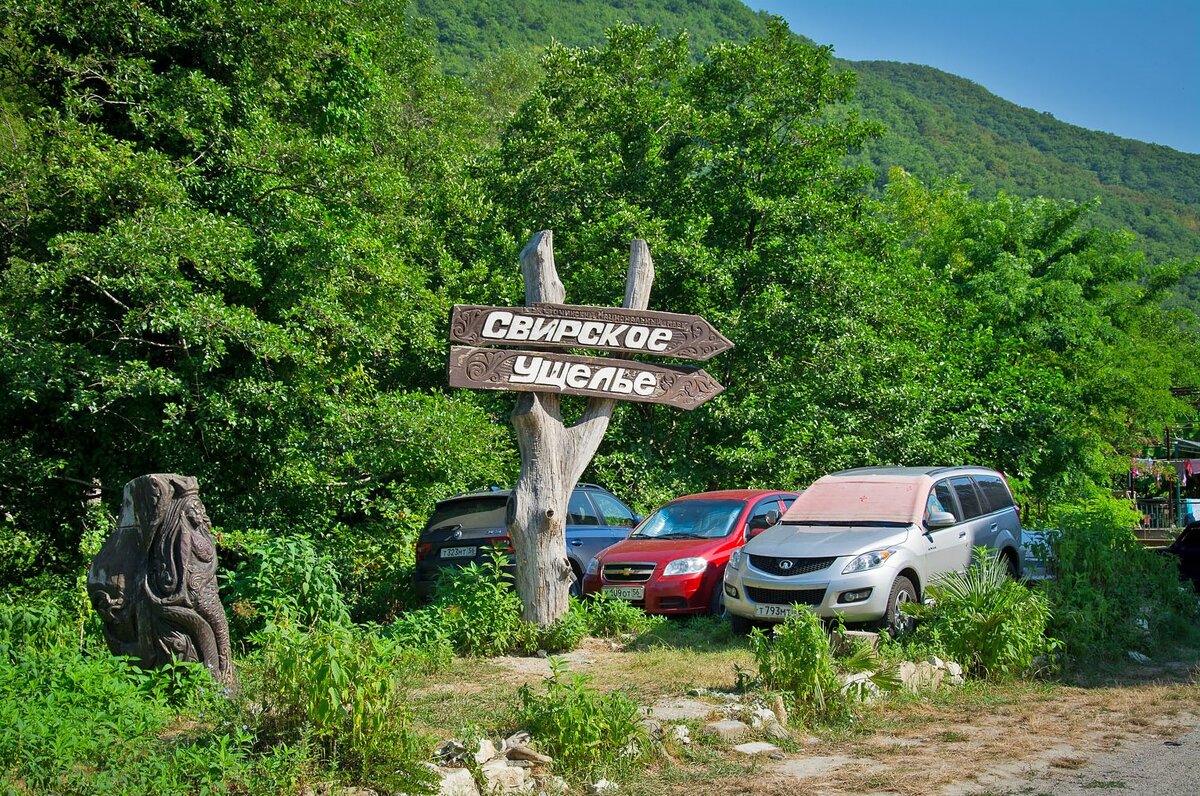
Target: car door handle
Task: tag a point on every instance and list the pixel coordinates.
(995, 527)
(576, 542)
(962, 534)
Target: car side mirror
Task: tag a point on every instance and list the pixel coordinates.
(940, 519)
(754, 528)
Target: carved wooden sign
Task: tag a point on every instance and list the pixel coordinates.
(666, 334)
(598, 377)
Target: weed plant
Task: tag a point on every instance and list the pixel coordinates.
(797, 661)
(283, 576)
(983, 619)
(589, 734)
(1109, 594)
(340, 689)
(609, 617)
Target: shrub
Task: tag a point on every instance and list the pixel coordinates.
(588, 734)
(340, 689)
(480, 607)
(283, 575)
(609, 616)
(796, 660)
(1109, 594)
(984, 620)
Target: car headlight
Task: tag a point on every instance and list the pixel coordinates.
(870, 560)
(685, 566)
(593, 567)
(735, 559)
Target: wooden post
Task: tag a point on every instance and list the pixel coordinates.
(554, 456)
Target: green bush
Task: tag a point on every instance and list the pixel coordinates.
(981, 618)
(77, 720)
(1109, 594)
(283, 575)
(796, 660)
(340, 689)
(609, 616)
(589, 734)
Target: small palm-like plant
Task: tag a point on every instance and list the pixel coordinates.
(994, 625)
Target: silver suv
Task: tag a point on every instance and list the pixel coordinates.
(858, 543)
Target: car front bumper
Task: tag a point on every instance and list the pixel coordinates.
(676, 595)
(753, 594)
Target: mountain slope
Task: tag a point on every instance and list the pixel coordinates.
(939, 125)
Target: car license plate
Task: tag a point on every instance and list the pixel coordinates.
(773, 611)
(459, 552)
(625, 592)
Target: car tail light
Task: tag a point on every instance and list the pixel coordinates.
(423, 549)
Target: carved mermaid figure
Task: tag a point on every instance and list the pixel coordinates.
(154, 582)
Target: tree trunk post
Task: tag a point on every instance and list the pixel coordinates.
(554, 456)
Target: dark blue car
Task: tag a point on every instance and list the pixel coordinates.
(464, 528)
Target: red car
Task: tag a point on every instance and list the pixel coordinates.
(674, 561)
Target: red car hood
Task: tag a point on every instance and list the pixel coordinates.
(662, 550)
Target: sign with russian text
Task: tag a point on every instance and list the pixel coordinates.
(666, 334)
(596, 377)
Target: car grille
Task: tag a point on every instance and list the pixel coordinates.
(785, 596)
(796, 566)
(628, 573)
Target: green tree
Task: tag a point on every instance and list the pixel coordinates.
(223, 256)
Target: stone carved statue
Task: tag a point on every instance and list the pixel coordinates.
(154, 582)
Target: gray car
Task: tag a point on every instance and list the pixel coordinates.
(858, 543)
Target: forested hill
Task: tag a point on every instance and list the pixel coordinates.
(941, 124)
(938, 125)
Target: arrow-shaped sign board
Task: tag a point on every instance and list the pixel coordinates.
(597, 377)
(666, 334)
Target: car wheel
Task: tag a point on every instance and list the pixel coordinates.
(895, 622)
(576, 588)
(716, 604)
(1014, 571)
(740, 624)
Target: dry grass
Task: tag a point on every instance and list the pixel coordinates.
(957, 741)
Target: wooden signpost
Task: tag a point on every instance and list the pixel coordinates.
(598, 377)
(554, 455)
(664, 334)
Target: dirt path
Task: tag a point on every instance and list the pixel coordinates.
(1018, 740)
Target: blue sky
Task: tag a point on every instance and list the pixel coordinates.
(1129, 68)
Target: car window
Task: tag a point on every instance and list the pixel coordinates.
(994, 492)
(968, 498)
(787, 502)
(483, 512)
(940, 499)
(580, 511)
(758, 517)
(614, 511)
(691, 519)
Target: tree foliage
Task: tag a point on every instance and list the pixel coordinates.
(232, 233)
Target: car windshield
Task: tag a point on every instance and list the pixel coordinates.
(691, 519)
(859, 502)
(480, 512)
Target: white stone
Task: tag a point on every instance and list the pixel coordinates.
(936, 662)
(601, 787)
(681, 733)
(499, 775)
(456, 782)
(954, 669)
(755, 748)
(775, 730)
(485, 752)
(1138, 657)
(727, 730)
(681, 709)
